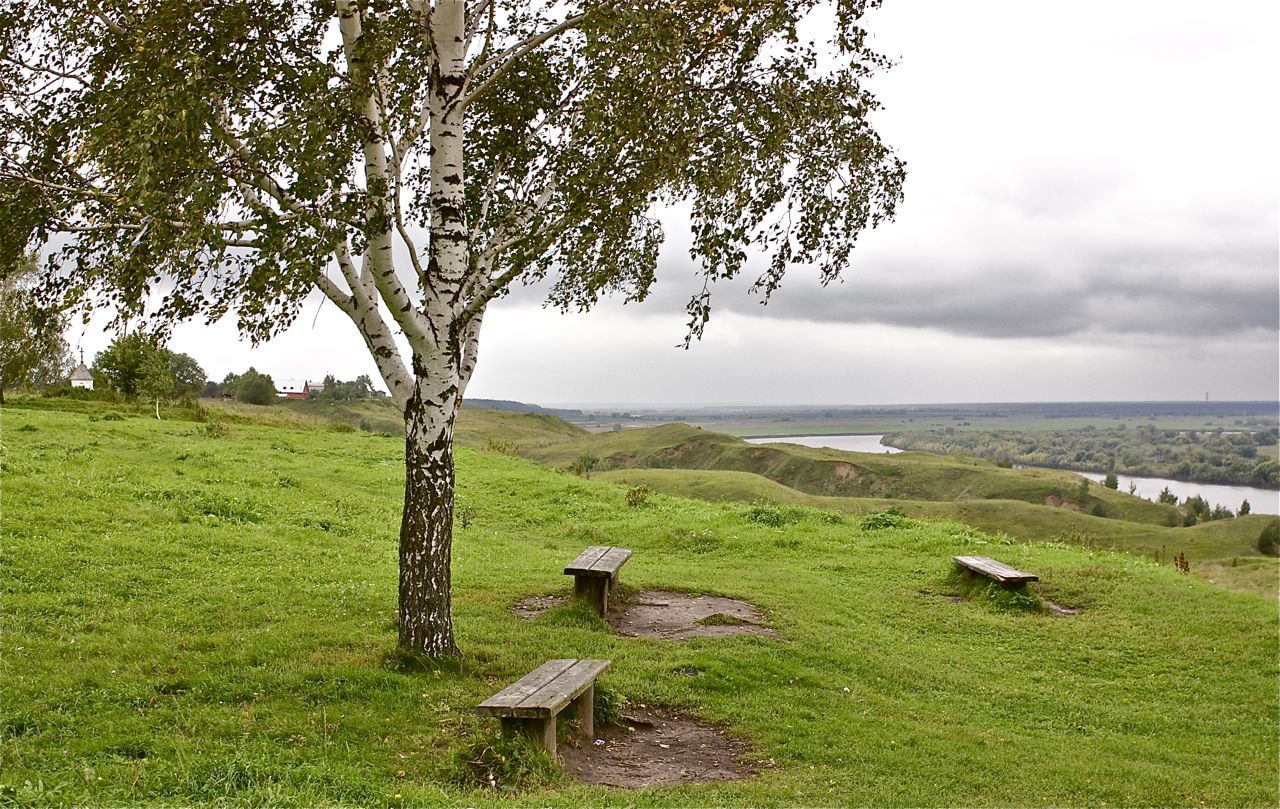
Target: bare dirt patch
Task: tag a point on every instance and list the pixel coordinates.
(656, 747)
(1061, 611)
(668, 614)
(533, 606)
(679, 616)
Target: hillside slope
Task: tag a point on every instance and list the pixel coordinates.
(202, 616)
(1230, 545)
(835, 473)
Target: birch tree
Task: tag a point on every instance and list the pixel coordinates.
(411, 160)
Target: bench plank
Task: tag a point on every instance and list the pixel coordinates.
(611, 562)
(996, 570)
(557, 694)
(586, 559)
(519, 691)
(545, 691)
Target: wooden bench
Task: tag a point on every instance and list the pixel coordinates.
(595, 574)
(530, 705)
(1008, 577)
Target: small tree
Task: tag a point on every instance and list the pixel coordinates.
(1167, 497)
(155, 379)
(1111, 481)
(119, 366)
(32, 350)
(188, 376)
(252, 387)
(1245, 508)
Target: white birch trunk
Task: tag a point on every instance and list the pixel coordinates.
(426, 531)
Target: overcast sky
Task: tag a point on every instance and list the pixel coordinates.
(1091, 213)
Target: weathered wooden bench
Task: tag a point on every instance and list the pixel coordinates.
(530, 705)
(1007, 577)
(595, 574)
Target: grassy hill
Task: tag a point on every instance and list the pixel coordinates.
(829, 472)
(1030, 504)
(202, 614)
(1228, 544)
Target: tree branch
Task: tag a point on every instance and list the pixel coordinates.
(500, 63)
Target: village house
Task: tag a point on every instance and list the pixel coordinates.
(293, 389)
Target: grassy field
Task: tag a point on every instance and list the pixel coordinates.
(204, 613)
(1224, 550)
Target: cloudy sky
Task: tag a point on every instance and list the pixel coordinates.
(1092, 213)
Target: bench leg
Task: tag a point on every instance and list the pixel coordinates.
(541, 731)
(595, 589)
(586, 705)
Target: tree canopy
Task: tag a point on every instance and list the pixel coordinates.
(131, 359)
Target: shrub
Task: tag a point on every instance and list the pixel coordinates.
(215, 429)
(893, 517)
(503, 447)
(583, 466)
(762, 513)
(638, 496)
(1269, 539)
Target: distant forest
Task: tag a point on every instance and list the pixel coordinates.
(1234, 458)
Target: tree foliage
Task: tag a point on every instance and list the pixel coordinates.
(135, 365)
(251, 387)
(32, 349)
(334, 390)
(1211, 456)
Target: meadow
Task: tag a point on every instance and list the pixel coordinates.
(202, 612)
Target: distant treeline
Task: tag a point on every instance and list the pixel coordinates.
(1226, 457)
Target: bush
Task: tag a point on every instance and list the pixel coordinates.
(638, 496)
(890, 518)
(215, 429)
(503, 448)
(1269, 539)
(762, 513)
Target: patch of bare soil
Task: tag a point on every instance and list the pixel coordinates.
(533, 606)
(1061, 611)
(667, 614)
(653, 747)
(679, 616)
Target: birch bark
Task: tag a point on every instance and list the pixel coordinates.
(426, 530)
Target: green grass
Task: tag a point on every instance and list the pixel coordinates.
(208, 618)
(1026, 521)
(828, 472)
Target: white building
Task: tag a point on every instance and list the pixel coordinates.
(81, 378)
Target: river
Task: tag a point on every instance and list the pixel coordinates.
(849, 443)
(1261, 501)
